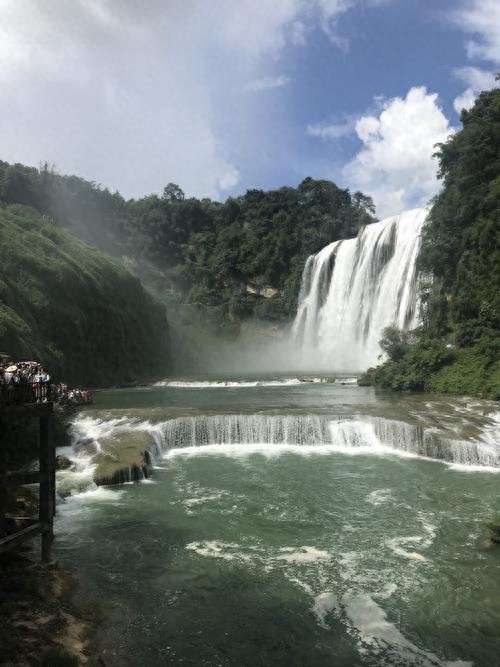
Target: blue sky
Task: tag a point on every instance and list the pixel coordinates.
(223, 95)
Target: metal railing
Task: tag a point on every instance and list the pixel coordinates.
(25, 393)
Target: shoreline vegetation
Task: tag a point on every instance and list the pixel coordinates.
(457, 348)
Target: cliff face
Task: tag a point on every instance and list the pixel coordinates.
(68, 305)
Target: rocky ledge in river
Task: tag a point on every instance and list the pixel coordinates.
(124, 458)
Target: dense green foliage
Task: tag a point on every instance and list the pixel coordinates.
(202, 252)
(80, 313)
(412, 361)
(214, 254)
(461, 251)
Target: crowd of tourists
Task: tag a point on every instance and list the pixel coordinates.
(29, 381)
(67, 396)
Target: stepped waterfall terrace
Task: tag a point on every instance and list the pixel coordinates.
(273, 434)
(289, 523)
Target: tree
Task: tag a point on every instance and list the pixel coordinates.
(394, 343)
(172, 193)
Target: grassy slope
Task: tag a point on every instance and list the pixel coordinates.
(69, 305)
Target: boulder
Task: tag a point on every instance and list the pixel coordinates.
(122, 458)
(62, 462)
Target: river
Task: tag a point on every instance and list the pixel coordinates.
(290, 522)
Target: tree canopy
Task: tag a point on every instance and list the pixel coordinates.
(458, 346)
(202, 252)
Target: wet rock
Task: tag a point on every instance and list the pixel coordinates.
(133, 473)
(125, 458)
(62, 462)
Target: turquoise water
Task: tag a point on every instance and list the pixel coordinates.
(282, 555)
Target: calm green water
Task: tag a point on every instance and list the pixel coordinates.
(238, 555)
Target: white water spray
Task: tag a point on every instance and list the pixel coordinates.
(273, 435)
(352, 289)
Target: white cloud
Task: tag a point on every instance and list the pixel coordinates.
(298, 33)
(329, 130)
(266, 83)
(481, 19)
(477, 80)
(395, 165)
(136, 94)
(464, 101)
(228, 178)
(329, 11)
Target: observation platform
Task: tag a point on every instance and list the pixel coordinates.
(34, 401)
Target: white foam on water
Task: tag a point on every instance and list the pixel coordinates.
(100, 494)
(189, 502)
(91, 430)
(303, 554)
(222, 550)
(350, 568)
(243, 451)
(396, 544)
(239, 384)
(379, 496)
(69, 483)
(387, 590)
(464, 467)
(428, 527)
(324, 603)
(363, 617)
(377, 635)
(370, 620)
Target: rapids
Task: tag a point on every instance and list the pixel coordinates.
(307, 524)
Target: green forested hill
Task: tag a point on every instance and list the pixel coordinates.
(214, 264)
(65, 303)
(212, 255)
(247, 254)
(461, 256)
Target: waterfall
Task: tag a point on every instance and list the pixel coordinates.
(325, 433)
(271, 435)
(352, 289)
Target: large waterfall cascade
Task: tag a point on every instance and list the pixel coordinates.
(352, 289)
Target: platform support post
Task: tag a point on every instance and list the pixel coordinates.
(47, 486)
